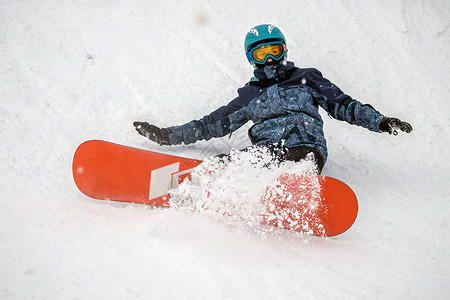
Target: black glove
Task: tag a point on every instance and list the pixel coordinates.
(391, 125)
(153, 133)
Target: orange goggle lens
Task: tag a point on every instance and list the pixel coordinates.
(260, 54)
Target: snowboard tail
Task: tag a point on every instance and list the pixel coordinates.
(317, 205)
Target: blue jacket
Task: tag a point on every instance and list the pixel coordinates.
(283, 103)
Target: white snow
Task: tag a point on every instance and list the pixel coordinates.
(230, 190)
(76, 70)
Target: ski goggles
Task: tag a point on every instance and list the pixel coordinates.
(261, 53)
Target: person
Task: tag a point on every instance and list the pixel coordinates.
(283, 102)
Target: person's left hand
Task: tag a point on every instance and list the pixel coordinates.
(391, 125)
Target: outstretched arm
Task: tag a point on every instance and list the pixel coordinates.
(192, 131)
(221, 122)
(343, 107)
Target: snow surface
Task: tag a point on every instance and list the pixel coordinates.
(75, 70)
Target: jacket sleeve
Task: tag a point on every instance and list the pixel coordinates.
(220, 122)
(197, 130)
(341, 106)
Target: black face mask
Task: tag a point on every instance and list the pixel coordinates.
(272, 74)
(273, 62)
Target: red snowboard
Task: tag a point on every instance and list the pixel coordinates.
(316, 205)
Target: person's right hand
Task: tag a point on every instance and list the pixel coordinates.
(152, 132)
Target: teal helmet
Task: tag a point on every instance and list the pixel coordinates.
(262, 34)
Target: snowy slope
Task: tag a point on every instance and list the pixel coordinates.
(75, 70)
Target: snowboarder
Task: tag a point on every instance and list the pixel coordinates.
(283, 102)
